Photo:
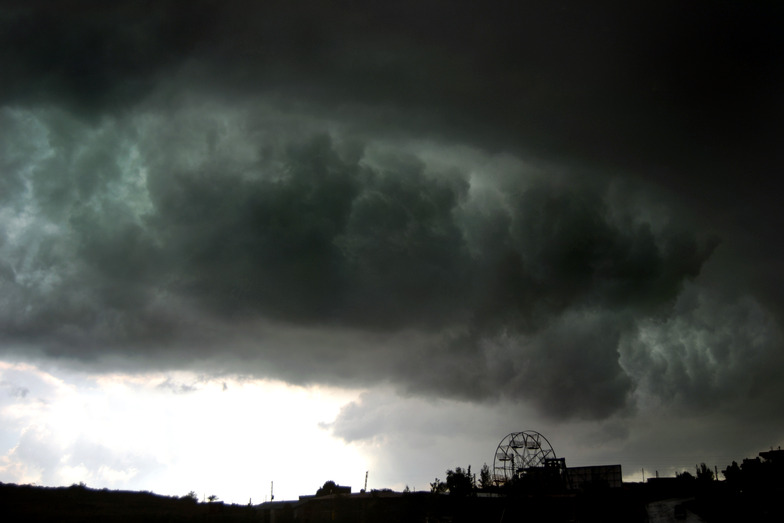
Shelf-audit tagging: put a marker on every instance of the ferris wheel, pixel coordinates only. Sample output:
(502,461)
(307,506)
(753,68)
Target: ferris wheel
(519,453)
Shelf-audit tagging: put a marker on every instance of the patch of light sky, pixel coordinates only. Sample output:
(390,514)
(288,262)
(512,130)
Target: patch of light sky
(171,433)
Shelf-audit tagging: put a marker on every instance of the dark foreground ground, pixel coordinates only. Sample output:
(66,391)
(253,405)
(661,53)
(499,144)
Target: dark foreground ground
(714,503)
(433,508)
(79,503)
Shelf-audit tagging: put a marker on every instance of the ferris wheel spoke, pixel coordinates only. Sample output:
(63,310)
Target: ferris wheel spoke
(520,453)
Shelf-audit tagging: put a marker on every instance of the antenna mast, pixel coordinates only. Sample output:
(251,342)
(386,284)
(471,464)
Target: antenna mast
(366,475)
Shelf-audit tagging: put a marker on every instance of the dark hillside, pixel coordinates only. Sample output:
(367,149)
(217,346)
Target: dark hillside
(79,503)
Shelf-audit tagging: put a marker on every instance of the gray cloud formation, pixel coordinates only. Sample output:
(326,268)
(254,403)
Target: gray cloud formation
(131,244)
(279,190)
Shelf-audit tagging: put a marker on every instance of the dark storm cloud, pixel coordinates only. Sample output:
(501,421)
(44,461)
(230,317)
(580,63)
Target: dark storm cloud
(556,367)
(90,55)
(276,182)
(712,354)
(186,234)
(643,83)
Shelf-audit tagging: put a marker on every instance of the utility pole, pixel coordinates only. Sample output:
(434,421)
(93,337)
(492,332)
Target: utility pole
(366,475)
(272,496)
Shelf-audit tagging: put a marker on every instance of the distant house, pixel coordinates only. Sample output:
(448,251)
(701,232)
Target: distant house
(776,457)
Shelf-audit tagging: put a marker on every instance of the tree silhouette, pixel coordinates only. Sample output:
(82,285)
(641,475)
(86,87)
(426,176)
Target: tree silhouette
(704,473)
(460,482)
(732,473)
(685,475)
(485,479)
(437,486)
(329,487)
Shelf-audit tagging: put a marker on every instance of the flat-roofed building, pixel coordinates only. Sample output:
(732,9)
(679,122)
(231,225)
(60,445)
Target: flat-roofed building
(595,476)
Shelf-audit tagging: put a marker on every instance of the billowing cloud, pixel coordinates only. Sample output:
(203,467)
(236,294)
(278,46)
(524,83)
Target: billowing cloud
(711,355)
(142,235)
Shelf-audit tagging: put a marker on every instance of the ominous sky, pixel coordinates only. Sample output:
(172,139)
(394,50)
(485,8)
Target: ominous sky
(428,223)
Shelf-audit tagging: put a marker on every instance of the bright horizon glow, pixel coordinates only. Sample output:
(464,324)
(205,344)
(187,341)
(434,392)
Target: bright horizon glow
(175,432)
(171,433)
